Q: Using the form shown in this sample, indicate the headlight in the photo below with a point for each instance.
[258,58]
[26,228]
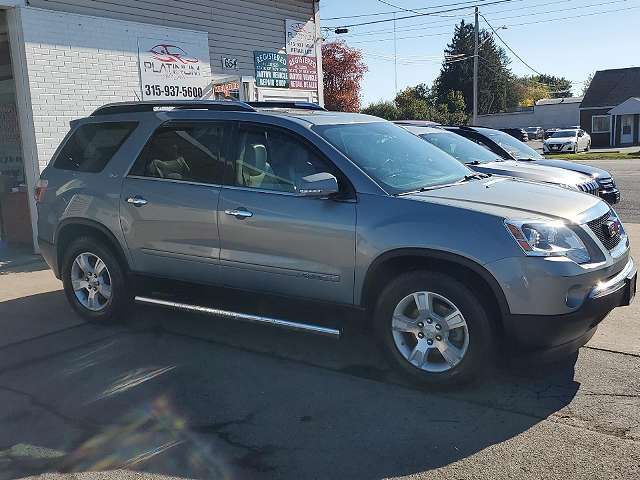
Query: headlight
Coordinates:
[548,239]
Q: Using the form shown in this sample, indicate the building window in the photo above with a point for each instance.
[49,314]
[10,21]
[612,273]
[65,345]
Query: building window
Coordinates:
[600,124]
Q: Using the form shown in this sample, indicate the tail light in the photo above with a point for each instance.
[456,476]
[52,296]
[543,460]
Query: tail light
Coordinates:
[41,188]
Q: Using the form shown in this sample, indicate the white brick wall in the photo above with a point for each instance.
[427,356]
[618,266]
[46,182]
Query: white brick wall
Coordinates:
[76,63]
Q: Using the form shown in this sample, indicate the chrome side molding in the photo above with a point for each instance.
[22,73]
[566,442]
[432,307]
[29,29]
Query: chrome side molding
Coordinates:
[215,312]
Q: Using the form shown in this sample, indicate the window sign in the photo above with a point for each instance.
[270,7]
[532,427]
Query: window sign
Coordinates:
[300,37]
[173,70]
[303,72]
[271,69]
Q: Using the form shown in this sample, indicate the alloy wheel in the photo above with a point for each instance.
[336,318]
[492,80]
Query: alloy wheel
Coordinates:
[430,331]
[91,281]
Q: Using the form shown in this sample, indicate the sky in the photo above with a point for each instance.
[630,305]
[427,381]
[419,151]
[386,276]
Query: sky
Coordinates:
[587,35]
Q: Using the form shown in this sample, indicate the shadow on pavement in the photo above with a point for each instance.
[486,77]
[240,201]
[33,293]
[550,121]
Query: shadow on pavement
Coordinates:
[195,397]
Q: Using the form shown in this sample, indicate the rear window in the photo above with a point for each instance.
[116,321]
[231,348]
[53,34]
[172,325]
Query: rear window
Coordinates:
[91,146]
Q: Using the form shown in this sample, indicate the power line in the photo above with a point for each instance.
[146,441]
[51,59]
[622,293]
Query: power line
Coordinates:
[402,10]
[507,45]
[426,14]
[419,26]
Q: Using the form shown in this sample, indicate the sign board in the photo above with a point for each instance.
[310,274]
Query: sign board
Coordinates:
[229,63]
[173,70]
[227,90]
[303,72]
[271,69]
[300,37]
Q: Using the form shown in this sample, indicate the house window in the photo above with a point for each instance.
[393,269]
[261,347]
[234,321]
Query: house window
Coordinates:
[600,124]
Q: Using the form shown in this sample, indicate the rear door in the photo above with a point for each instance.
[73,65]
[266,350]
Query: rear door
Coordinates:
[169,201]
[273,240]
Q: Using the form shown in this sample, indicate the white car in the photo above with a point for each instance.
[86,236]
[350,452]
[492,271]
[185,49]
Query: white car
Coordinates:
[571,140]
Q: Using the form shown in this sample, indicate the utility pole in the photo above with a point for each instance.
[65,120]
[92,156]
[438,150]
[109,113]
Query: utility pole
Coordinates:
[475,71]
[395,53]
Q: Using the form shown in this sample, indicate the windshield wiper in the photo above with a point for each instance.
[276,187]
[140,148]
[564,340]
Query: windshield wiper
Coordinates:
[475,176]
[474,162]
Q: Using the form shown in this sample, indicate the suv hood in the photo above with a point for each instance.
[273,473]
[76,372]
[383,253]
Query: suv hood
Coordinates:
[532,171]
[512,198]
[593,172]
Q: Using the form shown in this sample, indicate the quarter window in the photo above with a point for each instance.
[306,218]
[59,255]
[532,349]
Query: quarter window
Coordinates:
[91,146]
[271,159]
[600,124]
[193,153]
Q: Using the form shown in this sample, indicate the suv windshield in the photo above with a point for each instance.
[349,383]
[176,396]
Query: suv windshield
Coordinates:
[564,134]
[515,147]
[459,147]
[531,129]
[396,159]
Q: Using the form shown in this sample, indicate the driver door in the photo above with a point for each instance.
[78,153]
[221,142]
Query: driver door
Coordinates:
[272,239]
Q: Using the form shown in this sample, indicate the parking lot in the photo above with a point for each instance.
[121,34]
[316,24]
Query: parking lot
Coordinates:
[173,395]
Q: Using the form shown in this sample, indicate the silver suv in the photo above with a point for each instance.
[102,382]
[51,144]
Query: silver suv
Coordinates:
[446,264]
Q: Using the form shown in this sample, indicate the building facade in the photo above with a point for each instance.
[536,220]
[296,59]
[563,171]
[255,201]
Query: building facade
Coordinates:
[610,111]
[60,59]
[546,113]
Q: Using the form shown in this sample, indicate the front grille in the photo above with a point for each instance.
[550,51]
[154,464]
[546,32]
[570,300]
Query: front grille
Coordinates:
[598,226]
[589,187]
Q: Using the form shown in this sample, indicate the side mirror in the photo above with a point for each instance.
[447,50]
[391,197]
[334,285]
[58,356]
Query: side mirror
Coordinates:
[318,185]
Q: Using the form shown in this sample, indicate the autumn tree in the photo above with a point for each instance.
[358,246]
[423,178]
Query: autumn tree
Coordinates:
[343,70]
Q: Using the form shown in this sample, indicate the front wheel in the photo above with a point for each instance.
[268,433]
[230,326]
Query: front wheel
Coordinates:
[588,147]
[434,328]
[94,281]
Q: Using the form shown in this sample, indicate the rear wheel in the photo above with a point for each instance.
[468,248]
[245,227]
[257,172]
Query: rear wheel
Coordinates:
[94,281]
[434,328]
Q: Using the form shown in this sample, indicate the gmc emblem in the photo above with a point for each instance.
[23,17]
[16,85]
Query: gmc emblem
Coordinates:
[612,228]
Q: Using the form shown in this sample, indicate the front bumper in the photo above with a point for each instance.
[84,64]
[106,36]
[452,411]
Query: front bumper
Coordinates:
[559,148]
[567,332]
[610,195]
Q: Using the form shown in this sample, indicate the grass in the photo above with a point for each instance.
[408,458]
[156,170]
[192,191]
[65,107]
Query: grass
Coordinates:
[597,156]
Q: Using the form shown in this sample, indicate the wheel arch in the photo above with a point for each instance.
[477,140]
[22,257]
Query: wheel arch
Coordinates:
[72,228]
[398,261]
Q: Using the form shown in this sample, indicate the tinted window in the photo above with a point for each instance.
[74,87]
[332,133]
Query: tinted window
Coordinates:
[193,153]
[515,147]
[460,148]
[91,146]
[271,159]
[393,157]
[565,134]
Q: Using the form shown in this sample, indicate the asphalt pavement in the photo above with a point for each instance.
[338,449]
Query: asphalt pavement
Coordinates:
[171,395]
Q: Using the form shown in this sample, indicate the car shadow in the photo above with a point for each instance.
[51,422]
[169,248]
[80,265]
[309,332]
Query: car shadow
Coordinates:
[197,397]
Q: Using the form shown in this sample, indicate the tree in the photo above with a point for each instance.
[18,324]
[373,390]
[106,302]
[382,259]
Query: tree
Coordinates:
[495,80]
[587,83]
[421,103]
[383,109]
[558,86]
[343,69]
[530,91]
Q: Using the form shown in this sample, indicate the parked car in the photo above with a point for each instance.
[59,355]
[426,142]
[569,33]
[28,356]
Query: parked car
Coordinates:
[510,149]
[446,265]
[568,141]
[518,133]
[535,133]
[482,160]
[550,131]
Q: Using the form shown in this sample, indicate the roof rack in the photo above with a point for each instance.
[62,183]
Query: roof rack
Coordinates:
[150,106]
[285,104]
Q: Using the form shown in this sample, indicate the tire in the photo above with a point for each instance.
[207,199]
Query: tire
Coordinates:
[110,279]
[475,359]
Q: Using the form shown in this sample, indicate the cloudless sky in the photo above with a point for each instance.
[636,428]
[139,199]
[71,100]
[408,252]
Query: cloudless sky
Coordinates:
[585,40]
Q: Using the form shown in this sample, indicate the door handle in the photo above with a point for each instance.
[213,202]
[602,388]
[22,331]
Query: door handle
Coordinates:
[239,214]
[137,201]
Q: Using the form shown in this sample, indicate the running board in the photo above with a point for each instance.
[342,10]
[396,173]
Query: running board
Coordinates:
[274,322]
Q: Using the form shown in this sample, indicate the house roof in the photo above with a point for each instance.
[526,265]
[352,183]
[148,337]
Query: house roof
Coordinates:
[628,107]
[609,88]
[556,101]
